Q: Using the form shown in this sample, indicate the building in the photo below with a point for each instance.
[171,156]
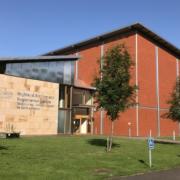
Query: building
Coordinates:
[38,96]
[53,93]
[155,71]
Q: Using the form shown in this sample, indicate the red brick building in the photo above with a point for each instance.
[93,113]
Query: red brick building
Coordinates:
[156,68]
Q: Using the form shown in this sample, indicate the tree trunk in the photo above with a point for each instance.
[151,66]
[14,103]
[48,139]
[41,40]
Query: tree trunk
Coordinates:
[107,145]
[110,142]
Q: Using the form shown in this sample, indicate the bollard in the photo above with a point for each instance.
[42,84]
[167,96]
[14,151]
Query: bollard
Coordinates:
[129,129]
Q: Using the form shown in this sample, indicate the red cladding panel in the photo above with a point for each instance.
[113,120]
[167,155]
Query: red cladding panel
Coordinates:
[146,72]
[167,76]
[88,65]
[147,122]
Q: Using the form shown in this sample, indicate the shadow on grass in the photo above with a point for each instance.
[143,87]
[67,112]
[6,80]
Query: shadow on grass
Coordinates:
[165,142]
[143,162]
[101,142]
[3,148]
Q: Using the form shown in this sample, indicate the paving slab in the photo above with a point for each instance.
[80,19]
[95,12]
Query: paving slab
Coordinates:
[173,174]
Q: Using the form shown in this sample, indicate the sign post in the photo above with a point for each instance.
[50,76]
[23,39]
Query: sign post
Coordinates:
[150,158]
[151,147]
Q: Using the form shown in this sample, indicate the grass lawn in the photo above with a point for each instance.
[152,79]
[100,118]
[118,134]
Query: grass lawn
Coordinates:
[78,157]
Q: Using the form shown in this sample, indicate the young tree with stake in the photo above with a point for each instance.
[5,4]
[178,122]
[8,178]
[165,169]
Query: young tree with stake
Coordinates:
[113,90]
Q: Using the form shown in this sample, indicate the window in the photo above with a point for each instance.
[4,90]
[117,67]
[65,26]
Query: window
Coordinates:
[78,97]
[64,97]
[81,97]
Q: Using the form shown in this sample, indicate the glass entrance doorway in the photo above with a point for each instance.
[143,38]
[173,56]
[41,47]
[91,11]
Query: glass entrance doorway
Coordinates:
[81,124]
[64,116]
[82,111]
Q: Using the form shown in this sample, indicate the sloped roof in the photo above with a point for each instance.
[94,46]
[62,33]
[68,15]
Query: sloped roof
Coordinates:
[137,27]
[81,84]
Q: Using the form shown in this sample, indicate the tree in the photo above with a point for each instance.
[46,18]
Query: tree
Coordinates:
[174,110]
[113,90]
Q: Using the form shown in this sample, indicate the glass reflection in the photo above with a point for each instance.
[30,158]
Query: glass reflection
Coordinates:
[54,71]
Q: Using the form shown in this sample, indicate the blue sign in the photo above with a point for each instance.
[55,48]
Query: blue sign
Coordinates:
[151,143]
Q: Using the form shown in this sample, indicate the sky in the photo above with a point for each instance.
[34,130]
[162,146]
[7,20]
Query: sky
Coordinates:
[35,27]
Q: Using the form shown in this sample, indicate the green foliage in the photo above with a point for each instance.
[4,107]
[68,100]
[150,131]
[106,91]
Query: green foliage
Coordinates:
[174,110]
[114,92]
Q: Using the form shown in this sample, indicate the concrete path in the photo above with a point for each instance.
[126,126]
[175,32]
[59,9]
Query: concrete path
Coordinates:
[173,174]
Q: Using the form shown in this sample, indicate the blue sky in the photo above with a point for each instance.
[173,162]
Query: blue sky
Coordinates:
[33,27]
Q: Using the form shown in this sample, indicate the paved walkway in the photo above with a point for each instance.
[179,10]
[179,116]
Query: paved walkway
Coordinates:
[173,174]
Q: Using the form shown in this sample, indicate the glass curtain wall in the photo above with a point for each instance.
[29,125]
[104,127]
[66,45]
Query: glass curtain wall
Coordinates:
[51,71]
[64,117]
[82,108]
[75,110]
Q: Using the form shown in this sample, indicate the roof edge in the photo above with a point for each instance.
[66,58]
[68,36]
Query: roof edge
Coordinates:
[137,27]
[39,58]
